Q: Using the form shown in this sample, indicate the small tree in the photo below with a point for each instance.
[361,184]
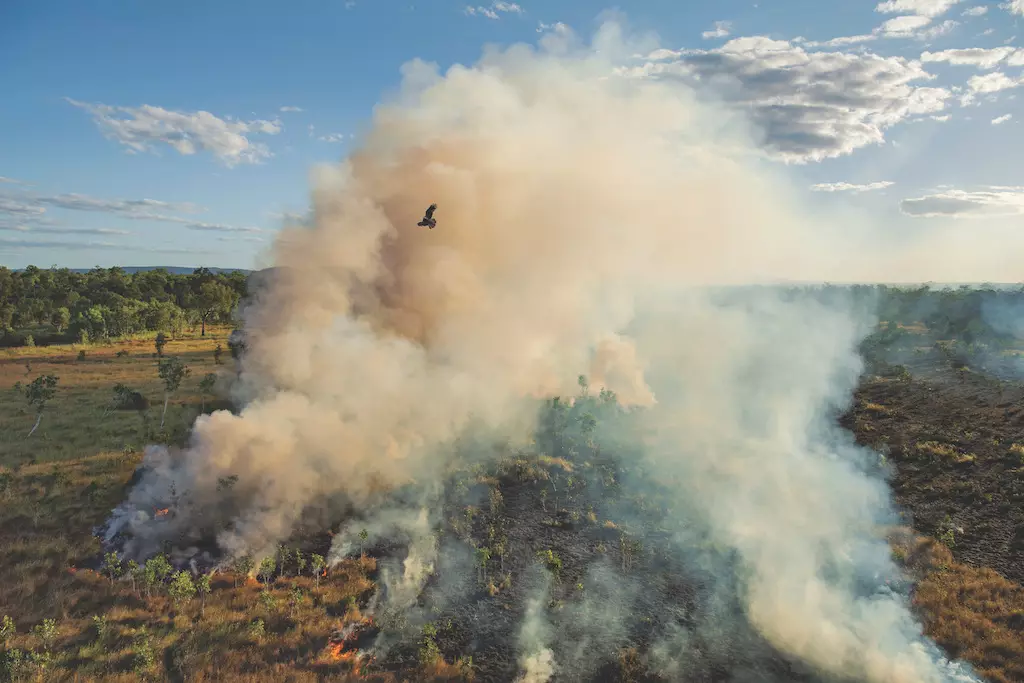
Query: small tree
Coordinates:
[173,372]
[316,563]
[243,565]
[216,354]
[206,387]
[266,569]
[112,564]
[41,390]
[160,343]
[182,589]
[300,562]
[203,588]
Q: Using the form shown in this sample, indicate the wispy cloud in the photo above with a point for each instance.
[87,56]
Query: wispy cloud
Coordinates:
[924,8]
[494,10]
[33,207]
[15,226]
[720,30]
[982,58]
[140,128]
[1001,119]
[852,187]
[975,11]
[990,202]
[90,244]
[292,109]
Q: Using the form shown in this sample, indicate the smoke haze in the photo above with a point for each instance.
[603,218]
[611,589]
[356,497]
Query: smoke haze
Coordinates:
[582,217]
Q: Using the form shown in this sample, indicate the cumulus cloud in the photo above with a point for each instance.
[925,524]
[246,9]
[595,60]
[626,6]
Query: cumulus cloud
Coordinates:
[924,8]
[991,202]
[141,128]
[494,9]
[983,58]
[851,187]
[809,105]
[1001,119]
[1014,7]
[988,84]
[975,11]
[721,30]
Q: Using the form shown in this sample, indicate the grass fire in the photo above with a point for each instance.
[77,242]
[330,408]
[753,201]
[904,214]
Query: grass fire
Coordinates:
[576,432]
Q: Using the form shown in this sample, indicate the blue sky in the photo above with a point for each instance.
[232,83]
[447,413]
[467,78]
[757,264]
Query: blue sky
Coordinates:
[178,134]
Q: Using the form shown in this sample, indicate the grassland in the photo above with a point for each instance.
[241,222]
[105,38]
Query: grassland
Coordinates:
[56,485]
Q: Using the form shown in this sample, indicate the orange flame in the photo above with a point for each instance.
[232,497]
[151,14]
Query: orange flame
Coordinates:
[161,513]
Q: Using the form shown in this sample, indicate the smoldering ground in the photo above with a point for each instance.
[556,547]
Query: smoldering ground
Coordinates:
[582,216]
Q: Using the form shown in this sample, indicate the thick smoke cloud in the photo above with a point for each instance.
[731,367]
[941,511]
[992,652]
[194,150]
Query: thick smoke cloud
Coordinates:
[581,218]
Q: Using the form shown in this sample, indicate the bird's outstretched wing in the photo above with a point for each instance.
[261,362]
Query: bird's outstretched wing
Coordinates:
[430,211]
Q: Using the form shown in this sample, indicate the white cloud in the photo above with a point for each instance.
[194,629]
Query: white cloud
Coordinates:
[905,25]
[983,58]
[993,201]
[975,11]
[495,8]
[924,8]
[851,187]
[557,27]
[992,82]
[810,105]
[721,30]
[332,137]
[1001,119]
[139,128]
[10,180]
[1014,7]
[290,109]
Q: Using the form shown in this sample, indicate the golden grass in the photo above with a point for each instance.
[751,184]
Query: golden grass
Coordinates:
[60,483]
[973,613]
[943,450]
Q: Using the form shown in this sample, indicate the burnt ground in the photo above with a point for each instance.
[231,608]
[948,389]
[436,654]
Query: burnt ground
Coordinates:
[950,436]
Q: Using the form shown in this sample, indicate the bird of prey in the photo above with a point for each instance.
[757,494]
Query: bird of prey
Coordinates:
[428,218]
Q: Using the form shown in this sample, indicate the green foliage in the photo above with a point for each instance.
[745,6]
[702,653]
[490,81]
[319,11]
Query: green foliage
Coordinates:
[257,629]
[143,657]
[243,565]
[430,653]
[41,390]
[266,569]
[160,341]
[181,589]
[64,306]
[7,629]
[112,566]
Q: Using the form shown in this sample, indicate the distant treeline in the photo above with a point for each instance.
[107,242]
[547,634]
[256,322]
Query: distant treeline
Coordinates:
[58,305]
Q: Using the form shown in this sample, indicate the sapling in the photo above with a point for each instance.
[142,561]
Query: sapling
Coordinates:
[41,390]
[206,387]
[173,372]
[316,563]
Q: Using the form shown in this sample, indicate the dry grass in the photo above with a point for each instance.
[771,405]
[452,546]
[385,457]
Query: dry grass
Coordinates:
[60,483]
[973,613]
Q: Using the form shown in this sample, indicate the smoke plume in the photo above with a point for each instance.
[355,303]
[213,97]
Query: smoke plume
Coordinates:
[583,220]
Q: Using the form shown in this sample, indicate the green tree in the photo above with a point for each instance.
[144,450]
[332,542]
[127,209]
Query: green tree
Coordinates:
[206,387]
[40,391]
[173,372]
[61,319]
[203,588]
[317,564]
[181,589]
[214,299]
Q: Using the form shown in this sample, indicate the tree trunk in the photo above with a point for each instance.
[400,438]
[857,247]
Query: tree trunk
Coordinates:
[203,321]
[38,418]
[164,414]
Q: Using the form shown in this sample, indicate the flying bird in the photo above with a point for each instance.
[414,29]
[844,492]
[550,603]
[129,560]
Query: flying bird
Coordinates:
[428,218]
